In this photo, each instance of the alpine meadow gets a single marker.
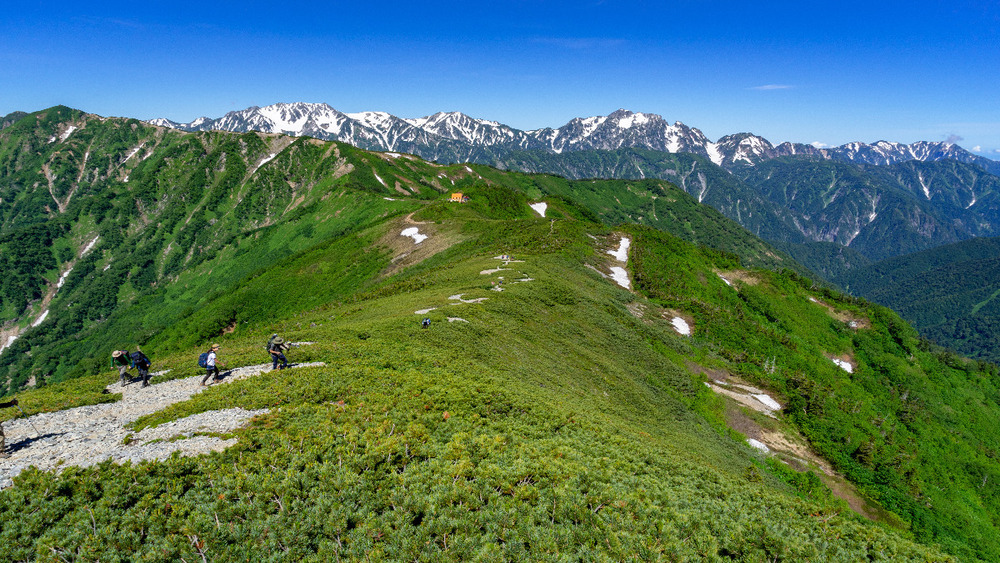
(611, 370)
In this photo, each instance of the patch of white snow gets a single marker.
(622, 253)
(90, 245)
(620, 276)
(758, 445)
(62, 278)
(41, 319)
(68, 132)
(379, 178)
(10, 340)
(723, 278)
(424, 311)
(539, 208)
(844, 365)
(714, 154)
(681, 326)
(131, 154)
(768, 401)
(414, 233)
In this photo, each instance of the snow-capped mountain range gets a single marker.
(454, 136)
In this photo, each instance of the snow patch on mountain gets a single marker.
(622, 253)
(41, 318)
(414, 233)
(714, 154)
(62, 278)
(90, 245)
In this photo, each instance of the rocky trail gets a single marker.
(85, 436)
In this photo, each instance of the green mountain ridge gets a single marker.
(798, 201)
(948, 293)
(547, 413)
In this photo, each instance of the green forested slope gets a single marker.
(948, 293)
(131, 219)
(805, 205)
(552, 424)
(561, 418)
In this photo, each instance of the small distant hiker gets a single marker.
(211, 370)
(3, 447)
(120, 359)
(141, 363)
(426, 323)
(277, 346)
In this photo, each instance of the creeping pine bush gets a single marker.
(361, 463)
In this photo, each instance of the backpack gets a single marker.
(203, 360)
(270, 341)
(140, 359)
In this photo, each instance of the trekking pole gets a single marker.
(37, 433)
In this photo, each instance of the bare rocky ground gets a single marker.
(89, 435)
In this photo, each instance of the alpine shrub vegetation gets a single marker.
(546, 412)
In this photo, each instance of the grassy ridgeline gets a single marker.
(576, 426)
(552, 424)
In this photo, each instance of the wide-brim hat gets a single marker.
(116, 353)
(216, 346)
(279, 340)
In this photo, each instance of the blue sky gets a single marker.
(789, 71)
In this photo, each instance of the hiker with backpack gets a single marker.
(276, 346)
(120, 359)
(3, 447)
(141, 363)
(208, 360)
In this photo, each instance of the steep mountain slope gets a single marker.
(562, 416)
(704, 181)
(11, 118)
(109, 227)
(881, 211)
(875, 211)
(791, 194)
(948, 293)
(571, 398)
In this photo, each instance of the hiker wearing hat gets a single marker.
(120, 359)
(3, 447)
(211, 370)
(277, 348)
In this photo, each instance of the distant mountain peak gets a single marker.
(454, 136)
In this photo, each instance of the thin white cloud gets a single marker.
(977, 148)
(819, 145)
(766, 87)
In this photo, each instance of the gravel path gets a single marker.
(85, 436)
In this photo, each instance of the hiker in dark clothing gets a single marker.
(3, 447)
(277, 349)
(142, 364)
(120, 359)
(211, 370)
